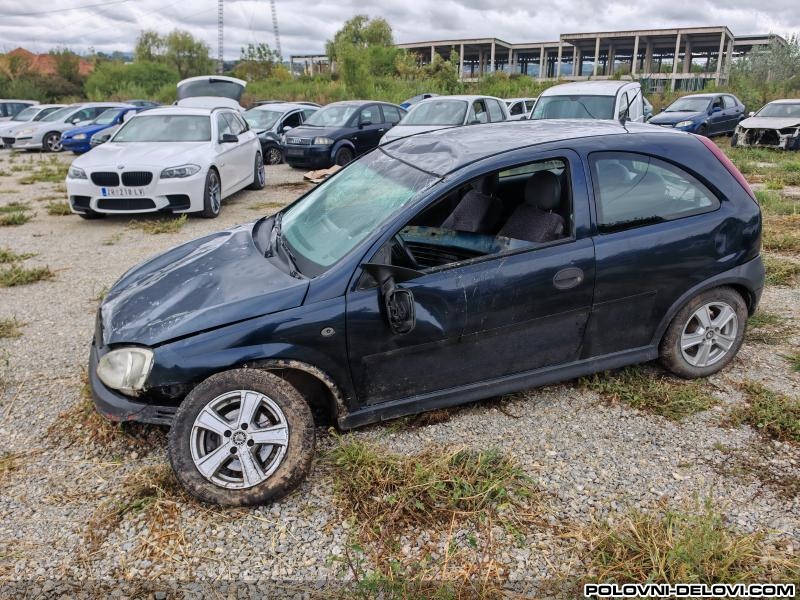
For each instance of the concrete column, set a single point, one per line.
(596, 55)
(635, 57)
(612, 57)
(577, 60)
(542, 74)
(433, 52)
(491, 64)
(480, 62)
(719, 58)
(687, 56)
(461, 62)
(558, 61)
(648, 57)
(510, 61)
(675, 60)
(728, 58)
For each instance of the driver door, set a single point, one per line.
(370, 129)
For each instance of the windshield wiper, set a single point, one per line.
(277, 241)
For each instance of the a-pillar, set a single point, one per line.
(596, 55)
(635, 57)
(675, 60)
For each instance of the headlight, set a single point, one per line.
(181, 171)
(126, 369)
(76, 173)
(283, 138)
(322, 141)
(684, 124)
(80, 136)
(27, 131)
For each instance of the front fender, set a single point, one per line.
(339, 144)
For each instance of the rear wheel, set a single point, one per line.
(52, 142)
(242, 437)
(259, 177)
(212, 198)
(706, 334)
(343, 156)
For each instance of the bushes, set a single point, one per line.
(116, 80)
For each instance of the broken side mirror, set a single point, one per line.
(397, 303)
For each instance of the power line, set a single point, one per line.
(60, 10)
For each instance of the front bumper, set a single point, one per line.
(179, 195)
(27, 143)
(118, 407)
(73, 145)
(315, 157)
(766, 138)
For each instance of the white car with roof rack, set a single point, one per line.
(173, 159)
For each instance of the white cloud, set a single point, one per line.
(305, 26)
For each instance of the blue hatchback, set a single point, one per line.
(78, 140)
(438, 269)
(703, 114)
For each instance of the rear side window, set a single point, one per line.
(634, 190)
(479, 113)
(516, 108)
(370, 114)
(729, 101)
(391, 114)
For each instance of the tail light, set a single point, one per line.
(728, 164)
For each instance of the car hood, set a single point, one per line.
(153, 154)
(209, 282)
(399, 131)
(89, 130)
(304, 131)
(770, 122)
(671, 118)
(7, 127)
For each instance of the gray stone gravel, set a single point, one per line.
(592, 460)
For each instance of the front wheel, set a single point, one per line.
(259, 177)
(274, 156)
(52, 142)
(212, 197)
(706, 334)
(702, 130)
(343, 156)
(242, 437)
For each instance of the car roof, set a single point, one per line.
(785, 101)
(19, 100)
(282, 106)
(518, 99)
(608, 87)
(358, 103)
(467, 97)
(705, 95)
(443, 151)
(183, 110)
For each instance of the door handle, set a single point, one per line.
(568, 278)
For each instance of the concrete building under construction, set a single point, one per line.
(681, 58)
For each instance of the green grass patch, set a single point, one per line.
(16, 275)
(9, 256)
(12, 219)
(48, 171)
(772, 413)
(653, 392)
(10, 328)
(59, 209)
(767, 328)
(781, 271)
(159, 226)
(679, 546)
(773, 203)
(781, 233)
(14, 207)
(794, 361)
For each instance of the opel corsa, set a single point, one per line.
(438, 269)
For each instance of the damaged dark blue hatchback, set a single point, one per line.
(438, 269)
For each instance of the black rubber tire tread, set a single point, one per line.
(341, 153)
(299, 453)
(257, 185)
(208, 212)
(669, 350)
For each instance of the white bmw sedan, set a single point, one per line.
(173, 159)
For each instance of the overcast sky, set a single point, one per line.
(305, 25)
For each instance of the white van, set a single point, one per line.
(606, 99)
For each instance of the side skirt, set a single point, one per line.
(494, 387)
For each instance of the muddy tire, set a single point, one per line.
(242, 437)
(705, 335)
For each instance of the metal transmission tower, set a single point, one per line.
(275, 30)
(220, 27)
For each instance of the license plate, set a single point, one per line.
(121, 192)
(294, 152)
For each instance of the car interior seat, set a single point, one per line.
(473, 214)
(537, 218)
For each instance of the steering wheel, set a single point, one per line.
(401, 245)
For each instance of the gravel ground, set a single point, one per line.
(592, 460)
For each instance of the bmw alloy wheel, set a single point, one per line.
(214, 192)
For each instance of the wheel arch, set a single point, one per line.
(317, 387)
(341, 143)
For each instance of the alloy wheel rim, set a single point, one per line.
(53, 143)
(213, 192)
(709, 334)
(260, 170)
(343, 157)
(239, 439)
(274, 156)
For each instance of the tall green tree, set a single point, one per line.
(257, 62)
(768, 72)
(149, 46)
(178, 49)
(362, 49)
